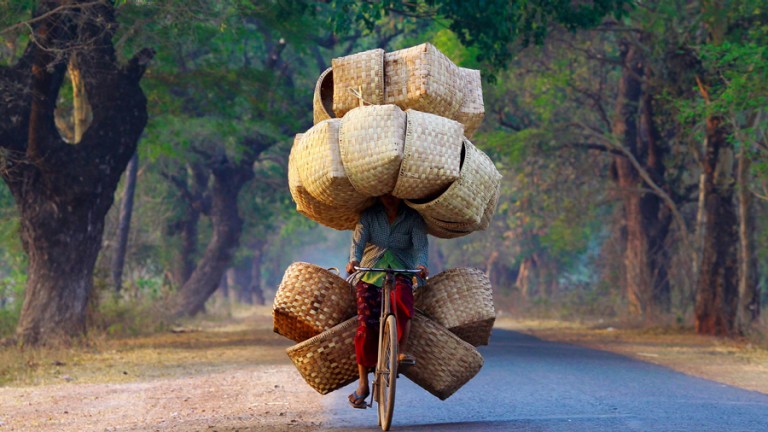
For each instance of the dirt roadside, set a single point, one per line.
(233, 375)
(222, 376)
(738, 363)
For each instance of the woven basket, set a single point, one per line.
(444, 363)
(437, 229)
(431, 155)
(472, 109)
(424, 79)
(334, 217)
(320, 168)
(363, 70)
(371, 140)
(310, 300)
(322, 102)
(466, 199)
(490, 208)
(327, 361)
(461, 300)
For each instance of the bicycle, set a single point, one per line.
(385, 374)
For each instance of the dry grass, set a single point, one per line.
(738, 362)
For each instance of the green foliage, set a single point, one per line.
(494, 27)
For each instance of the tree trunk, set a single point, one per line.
(646, 222)
(254, 292)
(718, 283)
(749, 293)
(64, 191)
(193, 188)
(124, 225)
(229, 178)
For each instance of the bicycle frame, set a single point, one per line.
(386, 406)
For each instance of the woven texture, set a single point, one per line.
(472, 109)
(333, 217)
(461, 300)
(327, 361)
(438, 229)
(444, 363)
(424, 79)
(490, 208)
(364, 71)
(466, 199)
(371, 140)
(321, 170)
(431, 155)
(310, 300)
(322, 101)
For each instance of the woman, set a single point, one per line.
(388, 235)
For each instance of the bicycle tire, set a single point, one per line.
(387, 373)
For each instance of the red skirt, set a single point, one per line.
(369, 310)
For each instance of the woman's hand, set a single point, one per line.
(424, 272)
(351, 266)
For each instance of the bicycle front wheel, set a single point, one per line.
(387, 372)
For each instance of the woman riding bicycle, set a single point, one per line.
(388, 235)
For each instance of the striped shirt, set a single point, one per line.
(405, 238)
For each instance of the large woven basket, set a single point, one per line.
(466, 199)
(431, 155)
(461, 300)
(310, 300)
(371, 140)
(364, 71)
(490, 208)
(438, 229)
(448, 230)
(327, 361)
(320, 168)
(322, 101)
(339, 218)
(472, 108)
(444, 363)
(424, 79)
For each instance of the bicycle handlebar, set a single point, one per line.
(387, 270)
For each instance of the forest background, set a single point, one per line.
(144, 151)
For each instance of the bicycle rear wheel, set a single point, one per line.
(387, 373)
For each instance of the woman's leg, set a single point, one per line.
(403, 301)
(367, 335)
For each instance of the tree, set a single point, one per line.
(64, 190)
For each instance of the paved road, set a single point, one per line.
(528, 384)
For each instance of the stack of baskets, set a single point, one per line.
(454, 314)
(396, 123)
(392, 123)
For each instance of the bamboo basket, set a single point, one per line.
(310, 300)
(444, 363)
(320, 169)
(364, 70)
(431, 155)
(465, 199)
(333, 217)
(327, 361)
(424, 79)
(472, 110)
(490, 208)
(439, 230)
(461, 300)
(371, 141)
(322, 101)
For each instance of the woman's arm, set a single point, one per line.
(420, 244)
(359, 239)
